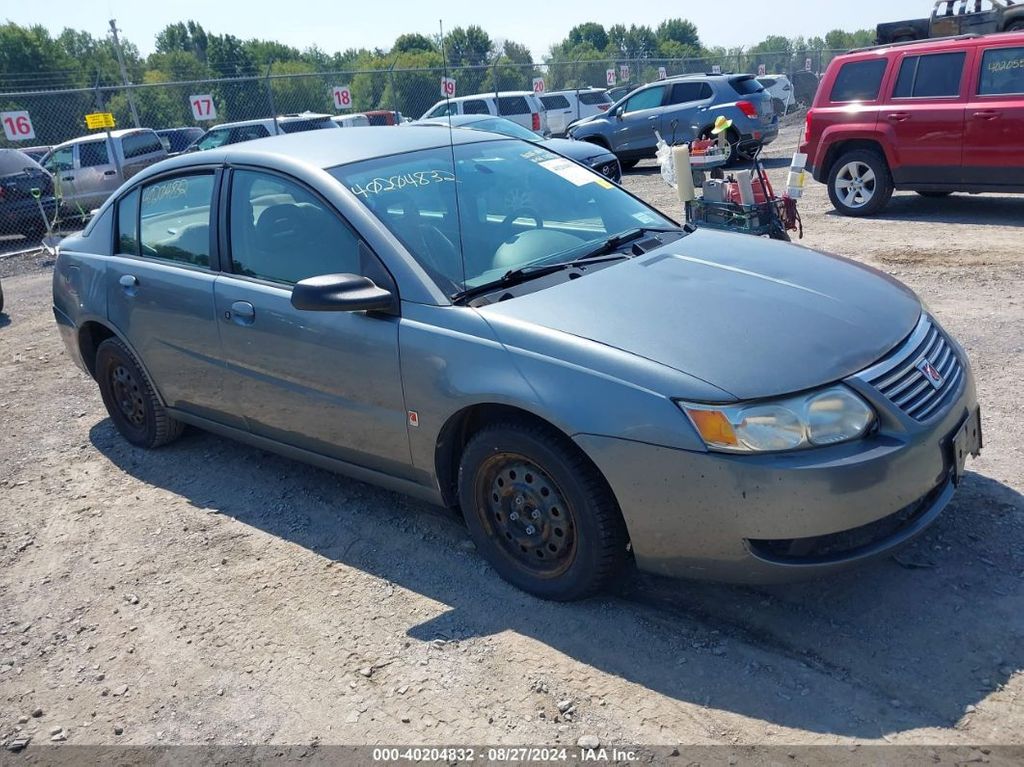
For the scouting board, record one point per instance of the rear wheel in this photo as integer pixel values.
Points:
(540, 512)
(133, 405)
(859, 183)
(1017, 26)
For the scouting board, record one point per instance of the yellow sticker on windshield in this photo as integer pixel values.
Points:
(570, 171)
(604, 183)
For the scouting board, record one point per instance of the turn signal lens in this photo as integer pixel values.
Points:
(713, 426)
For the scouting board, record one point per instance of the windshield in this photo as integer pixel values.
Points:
(518, 204)
(504, 127)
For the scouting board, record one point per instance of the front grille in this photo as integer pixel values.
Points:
(901, 378)
(610, 170)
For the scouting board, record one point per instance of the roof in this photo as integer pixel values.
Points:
(93, 136)
(287, 118)
(328, 148)
(942, 43)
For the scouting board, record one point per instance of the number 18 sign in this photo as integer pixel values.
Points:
(342, 97)
(17, 126)
(203, 107)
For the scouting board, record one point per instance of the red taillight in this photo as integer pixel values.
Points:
(536, 121)
(807, 126)
(603, 107)
(747, 108)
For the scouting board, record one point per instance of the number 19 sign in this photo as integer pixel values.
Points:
(342, 97)
(17, 126)
(447, 87)
(203, 107)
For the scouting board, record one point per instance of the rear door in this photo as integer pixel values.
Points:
(160, 289)
(328, 382)
(925, 118)
(994, 145)
(140, 150)
(96, 177)
(684, 102)
(560, 112)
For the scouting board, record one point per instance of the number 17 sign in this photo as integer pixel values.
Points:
(203, 107)
(17, 126)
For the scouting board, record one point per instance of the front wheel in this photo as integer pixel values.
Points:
(859, 183)
(540, 512)
(628, 163)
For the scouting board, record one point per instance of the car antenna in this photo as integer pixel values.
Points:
(451, 146)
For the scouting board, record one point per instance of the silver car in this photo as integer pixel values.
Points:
(491, 327)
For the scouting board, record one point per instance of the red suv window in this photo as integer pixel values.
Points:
(859, 80)
(1002, 72)
(935, 76)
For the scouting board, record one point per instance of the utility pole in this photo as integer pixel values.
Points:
(124, 73)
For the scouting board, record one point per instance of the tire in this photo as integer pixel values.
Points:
(1017, 26)
(868, 183)
(131, 402)
(628, 164)
(574, 540)
(935, 194)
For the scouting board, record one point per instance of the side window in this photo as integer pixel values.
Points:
(283, 233)
(555, 102)
(859, 81)
(934, 76)
(592, 98)
(139, 144)
(174, 219)
(1002, 72)
(214, 139)
(513, 105)
(61, 160)
(683, 93)
(247, 133)
(442, 110)
(645, 99)
(475, 107)
(128, 224)
(93, 153)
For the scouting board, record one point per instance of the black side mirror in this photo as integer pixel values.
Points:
(341, 293)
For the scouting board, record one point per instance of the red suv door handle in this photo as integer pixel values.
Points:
(987, 114)
(899, 116)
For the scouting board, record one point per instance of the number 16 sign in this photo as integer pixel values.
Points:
(203, 107)
(17, 126)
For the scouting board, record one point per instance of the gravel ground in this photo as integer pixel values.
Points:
(212, 593)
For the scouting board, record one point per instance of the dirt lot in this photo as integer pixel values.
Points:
(211, 593)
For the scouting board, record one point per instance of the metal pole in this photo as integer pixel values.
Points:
(124, 73)
(497, 101)
(270, 98)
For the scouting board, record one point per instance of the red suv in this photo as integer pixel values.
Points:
(934, 117)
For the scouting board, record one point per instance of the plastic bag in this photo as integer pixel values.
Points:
(663, 155)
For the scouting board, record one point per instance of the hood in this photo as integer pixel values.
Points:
(575, 150)
(753, 317)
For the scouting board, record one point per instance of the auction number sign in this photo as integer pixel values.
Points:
(662, 73)
(807, 65)
(716, 69)
(203, 107)
(342, 97)
(761, 70)
(624, 71)
(17, 126)
(609, 76)
(447, 87)
(538, 85)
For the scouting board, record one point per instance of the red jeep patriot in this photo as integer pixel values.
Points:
(935, 117)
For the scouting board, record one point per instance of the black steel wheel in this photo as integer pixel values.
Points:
(540, 512)
(131, 402)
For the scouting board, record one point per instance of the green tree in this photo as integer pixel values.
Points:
(589, 32)
(678, 31)
(413, 42)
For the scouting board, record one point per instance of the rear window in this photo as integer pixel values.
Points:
(298, 126)
(859, 81)
(93, 153)
(139, 144)
(746, 85)
(555, 102)
(593, 98)
(475, 107)
(1002, 71)
(513, 105)
(13, 161)
(934, 76)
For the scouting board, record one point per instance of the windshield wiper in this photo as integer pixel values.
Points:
(598, 254)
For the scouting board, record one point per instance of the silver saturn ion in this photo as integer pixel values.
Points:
(486, 325)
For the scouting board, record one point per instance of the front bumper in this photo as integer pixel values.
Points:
(781, 517)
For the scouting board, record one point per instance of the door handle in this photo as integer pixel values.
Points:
(110, 173)
(987, 114)
(128, 281)
(67, 178)
(241, 313)
(899, 116)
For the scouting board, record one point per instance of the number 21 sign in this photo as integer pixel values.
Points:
(17, 126)
(203, 107)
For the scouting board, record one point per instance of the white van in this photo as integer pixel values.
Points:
(522, 107)
(565, 107)
(352, 121)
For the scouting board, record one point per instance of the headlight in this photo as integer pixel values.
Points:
(809, 420)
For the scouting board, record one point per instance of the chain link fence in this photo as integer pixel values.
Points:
(55, 116)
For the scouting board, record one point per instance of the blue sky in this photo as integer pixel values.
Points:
(334, 25)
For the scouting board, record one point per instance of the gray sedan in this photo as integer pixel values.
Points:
(491, 327)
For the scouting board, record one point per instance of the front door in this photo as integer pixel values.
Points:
(994, 146)
(925, 117)
(96, 177)
(328, 382)
(160, 291)
(640, 116)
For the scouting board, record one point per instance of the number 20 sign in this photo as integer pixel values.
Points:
(342, 97)
(17, 126)
(203, 107)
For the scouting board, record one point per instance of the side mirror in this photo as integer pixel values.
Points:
(618, 113)
(341, 293)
